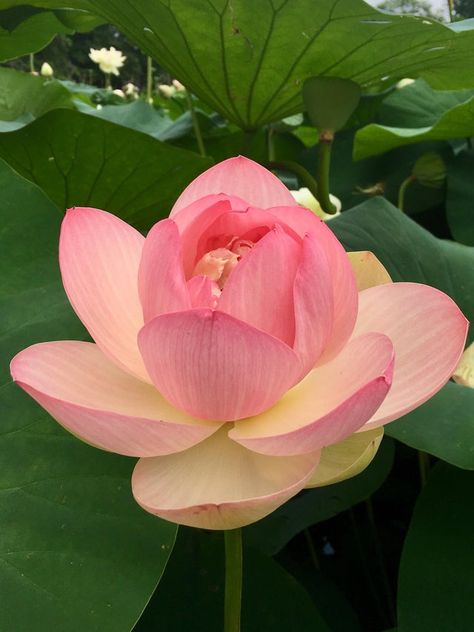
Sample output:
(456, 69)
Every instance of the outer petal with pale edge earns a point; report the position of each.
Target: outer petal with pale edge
(219, 484)
(331, 403)
(347, 458)
(99, 255)
(428, 332)
(239, 177)
(161, 281)
(215, 366)
(103, 405)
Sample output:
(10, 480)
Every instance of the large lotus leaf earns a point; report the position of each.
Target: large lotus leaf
(191, 595)
(458, 122)
(27, 29)
(80, 160)
(444, 425)
(24, 97)
(436, 582)
(248, 59)
(73, 541)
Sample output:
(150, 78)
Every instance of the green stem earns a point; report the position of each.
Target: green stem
(197, 129)
(424, 466)
(401, 191)
(380, 558)
(108, 81)
(270, 144)
(304, 177)
(149, 79)
(233, 579)
(324, 164)
(451, 10)
(312, 550)
(32, 62)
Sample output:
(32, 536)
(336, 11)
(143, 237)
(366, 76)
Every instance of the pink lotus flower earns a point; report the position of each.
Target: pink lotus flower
(232, 346)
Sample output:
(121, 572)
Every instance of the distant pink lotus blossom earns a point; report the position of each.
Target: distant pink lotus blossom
(232, 346)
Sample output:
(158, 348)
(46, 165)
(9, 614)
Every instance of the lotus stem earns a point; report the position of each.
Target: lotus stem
(197, 129)
(304, 177)
(402, 191)
(32, 63)
(324, 164)
(451, 10)
(149, 79)
(233, 579)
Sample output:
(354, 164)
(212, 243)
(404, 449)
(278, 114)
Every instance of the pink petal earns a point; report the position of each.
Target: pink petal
(218, 484)
(201, 209)
(313, 301)
(99, 255)
(331, 403)
(203, 292)
(215, 366)
(259, 290)
(241, 177)
(161, 281)
(344, 285)
(428, 332)
(102, 405)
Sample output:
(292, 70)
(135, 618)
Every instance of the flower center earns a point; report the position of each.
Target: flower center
(218, 264)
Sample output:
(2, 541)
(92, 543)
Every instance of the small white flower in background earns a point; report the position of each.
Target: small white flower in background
(46, 70)
(178, 85)
(109, 59)
(166, 91)
(98, 106)
(464, 374)
(305, 198)
(131, 90)
(403, 83)
(119, 93)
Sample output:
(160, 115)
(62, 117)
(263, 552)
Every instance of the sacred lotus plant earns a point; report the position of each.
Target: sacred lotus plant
(233, 346)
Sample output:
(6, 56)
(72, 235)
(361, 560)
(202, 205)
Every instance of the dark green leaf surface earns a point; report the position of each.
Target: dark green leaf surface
(460, 197)
(315, 505)
(25, 29)
(436, 582)
(191, 595)
(444, 426)
(25, 97)
(73, 541)
(253, 57)
(79, 160)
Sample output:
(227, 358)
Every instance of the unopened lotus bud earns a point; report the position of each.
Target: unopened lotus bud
(430, 170)
(46, 70)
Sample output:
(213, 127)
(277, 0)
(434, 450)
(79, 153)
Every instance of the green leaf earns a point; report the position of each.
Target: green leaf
(408, 251)
(26, 29)
(330, 101)
(414, 114)
(444, 426)
(436, 582)
(460, 194)
(80, 160)
(73, 541)
(25, 97)
(281, 44)
(312, 506)
(200, 556)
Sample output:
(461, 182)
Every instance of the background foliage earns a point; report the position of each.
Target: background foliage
(390, 549)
